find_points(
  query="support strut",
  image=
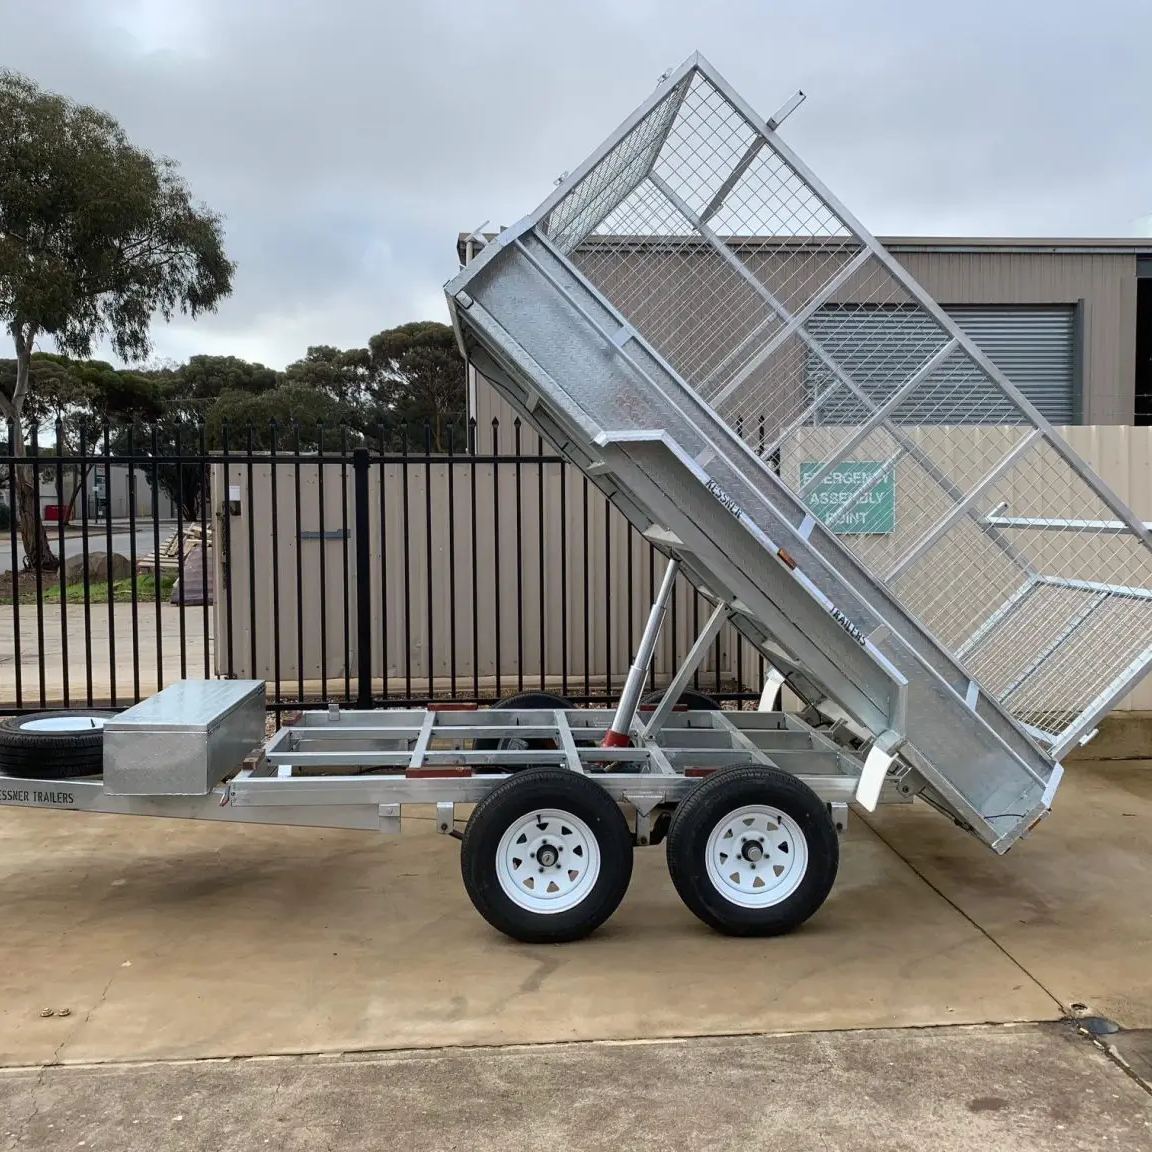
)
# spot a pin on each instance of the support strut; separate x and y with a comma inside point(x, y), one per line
point(617, 734)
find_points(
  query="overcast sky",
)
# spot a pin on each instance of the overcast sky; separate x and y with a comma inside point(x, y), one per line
point(348, 141)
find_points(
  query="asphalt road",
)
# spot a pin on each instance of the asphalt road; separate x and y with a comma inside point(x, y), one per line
point(97, 541)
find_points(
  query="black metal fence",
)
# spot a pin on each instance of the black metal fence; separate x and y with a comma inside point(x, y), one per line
point(332, 569)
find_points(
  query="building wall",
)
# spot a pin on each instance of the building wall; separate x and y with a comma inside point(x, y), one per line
point(1101, 282)
point(124, 484)
point(1106, 283)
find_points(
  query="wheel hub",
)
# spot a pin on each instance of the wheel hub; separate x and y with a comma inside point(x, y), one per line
point(756, 856)
point(78, 723)
point(548, 861)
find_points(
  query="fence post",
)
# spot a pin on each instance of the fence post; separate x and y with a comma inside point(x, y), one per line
point(363, 579)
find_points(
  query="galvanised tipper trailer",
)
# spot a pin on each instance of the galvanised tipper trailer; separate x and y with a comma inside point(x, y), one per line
point(697, 323)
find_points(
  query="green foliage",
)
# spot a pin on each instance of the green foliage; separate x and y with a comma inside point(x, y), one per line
point(96, 236)
point(53, 387)
point(142, 590)
point(193, 388)
point(81, 394)
point(407, 378)
point(420, 379)
point(69, 402)
point(292, 405)
point(410, 376)
point(345, 376)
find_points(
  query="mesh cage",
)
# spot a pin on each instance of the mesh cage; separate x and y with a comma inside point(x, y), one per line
point(704, 232)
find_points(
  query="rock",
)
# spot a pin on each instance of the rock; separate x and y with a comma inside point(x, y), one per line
point(98, 568)
point(189, 589)
point(74, 569)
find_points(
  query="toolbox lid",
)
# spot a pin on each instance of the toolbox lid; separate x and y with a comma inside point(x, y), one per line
point(187, 705)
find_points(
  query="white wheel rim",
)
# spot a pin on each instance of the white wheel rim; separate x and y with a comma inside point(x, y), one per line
point(547, 861)
point(79, 723)
point(756, 856)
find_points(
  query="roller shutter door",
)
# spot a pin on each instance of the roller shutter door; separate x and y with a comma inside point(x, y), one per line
point(1034, 347)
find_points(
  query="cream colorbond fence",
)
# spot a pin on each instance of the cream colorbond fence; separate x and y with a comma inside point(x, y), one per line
point(501, 567)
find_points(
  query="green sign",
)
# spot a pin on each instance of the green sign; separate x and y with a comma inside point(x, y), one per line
point(857, 496)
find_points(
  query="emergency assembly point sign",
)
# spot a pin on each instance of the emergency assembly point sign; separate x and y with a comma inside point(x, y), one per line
point(857, 496)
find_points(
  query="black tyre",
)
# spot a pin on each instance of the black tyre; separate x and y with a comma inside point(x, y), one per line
point(53, 745)
point(691, 699)
point(522, 700)
point(546, 856)
point(752, 851)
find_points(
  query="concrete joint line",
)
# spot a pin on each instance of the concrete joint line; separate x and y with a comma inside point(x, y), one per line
point(1064, 1008)
point(1115, 1056)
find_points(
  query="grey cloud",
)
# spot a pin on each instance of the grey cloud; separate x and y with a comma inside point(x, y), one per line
point(347, 141)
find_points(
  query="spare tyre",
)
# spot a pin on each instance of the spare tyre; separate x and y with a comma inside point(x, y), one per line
point(691, 699)
point(522, 700)
point(53, 745)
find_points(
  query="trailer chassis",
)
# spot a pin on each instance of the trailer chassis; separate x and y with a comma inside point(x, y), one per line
point(339, 768)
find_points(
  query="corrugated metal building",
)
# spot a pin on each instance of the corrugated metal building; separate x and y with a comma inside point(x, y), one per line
point(1068, 320)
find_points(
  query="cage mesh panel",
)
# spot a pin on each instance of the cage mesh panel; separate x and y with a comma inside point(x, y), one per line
point(921, 501)
point(708, 147)
point(681, 295)
point(958, 583)
point(750, 382)
point(856, 337)
point(800, 358)
point(704, 145)
point(610, 181)
point(1053, 694)
point(1048, 656)
point(932, 467)
point(937, 468)
point(777, 398)
point(1004, 657)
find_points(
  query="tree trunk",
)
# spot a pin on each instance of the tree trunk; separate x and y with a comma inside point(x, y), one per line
point(183, 484)
point(37, 551)
point(33, 533)
point(78, 486)
point(192, 503)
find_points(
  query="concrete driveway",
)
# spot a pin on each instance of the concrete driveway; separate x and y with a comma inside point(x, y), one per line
point(180, 940)
point(57, 656)
point(1032, 1088)
point(170, 941)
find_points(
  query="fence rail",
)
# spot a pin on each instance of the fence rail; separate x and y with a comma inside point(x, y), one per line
point(336, 571)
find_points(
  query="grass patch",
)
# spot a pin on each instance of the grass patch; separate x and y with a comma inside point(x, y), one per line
point(98, 590)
